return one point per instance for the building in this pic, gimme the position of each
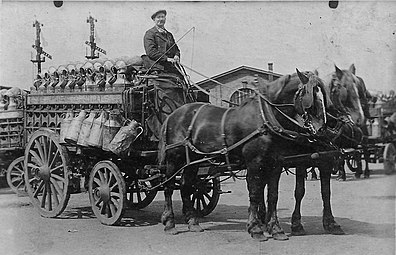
(232, 87)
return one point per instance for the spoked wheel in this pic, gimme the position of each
(206, 195)
(46, 173)
(354, 164)
(138, 195)
(389, 158)
(107, 192)
(15, 176)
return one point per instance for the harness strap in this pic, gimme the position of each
(223, 119)
(277, 108)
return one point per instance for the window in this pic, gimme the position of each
(238, 96)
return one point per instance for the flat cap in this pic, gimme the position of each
(158, 12)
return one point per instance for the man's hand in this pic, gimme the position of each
(177, 58)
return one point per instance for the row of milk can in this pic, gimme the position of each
(108, 131)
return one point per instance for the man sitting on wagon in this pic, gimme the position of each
(160, 46)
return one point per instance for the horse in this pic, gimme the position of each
(254, 135)
(351, 97)
(344, 133)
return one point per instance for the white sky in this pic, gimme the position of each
(305, 35)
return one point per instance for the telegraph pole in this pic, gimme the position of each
(91, 41)
(38, 48)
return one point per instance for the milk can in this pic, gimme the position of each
(75, 126)
(65, 123)
(2, 100)
(110, 129)
(125, 137)
(86, 129)
(96, 135)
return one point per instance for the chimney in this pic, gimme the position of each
(270, 69)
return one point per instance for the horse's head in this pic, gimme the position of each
(304, 90)
(310, 100)
(347, 92)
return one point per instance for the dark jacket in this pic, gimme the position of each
(156, 44)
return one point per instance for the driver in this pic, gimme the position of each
(160, 46)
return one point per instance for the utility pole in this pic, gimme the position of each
(91, 41)
(38, 48)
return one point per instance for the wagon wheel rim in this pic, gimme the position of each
(46, 173)
(389, 158)
(138, 195)
(107, 192)
(16, 176)
(354, 164)
(206, 196)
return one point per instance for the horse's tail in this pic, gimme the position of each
(162, 143)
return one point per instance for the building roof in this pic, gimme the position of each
(209, 84)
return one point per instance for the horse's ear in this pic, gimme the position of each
(316, 72)
(339, 72)
(352, 69)
(303, 78)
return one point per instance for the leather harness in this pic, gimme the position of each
(270, 124)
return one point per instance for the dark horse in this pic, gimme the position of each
(342, 113)
(350, 96)
(255, 135)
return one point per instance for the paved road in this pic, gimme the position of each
(365, 209)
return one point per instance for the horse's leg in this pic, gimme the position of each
(366, 159)
(168, 217)
(359, 169)
(329, 223)
(186, 191)
(255, 185)
(341, 172)
(262, 211)
(299, 192)
(314, 176)
(274, 227)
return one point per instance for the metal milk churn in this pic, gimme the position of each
(63, 78)
(2, 100)
(36, 84)
(125, 137)
(86, 129)
(45, 82)
(375, 129)
(65, 124)
(96, 135)
(75, 126)
(110, 129)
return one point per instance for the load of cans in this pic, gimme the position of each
(94, 75)
(106, 130)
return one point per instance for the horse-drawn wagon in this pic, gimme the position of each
(11, 137)
(63, 132)
(379, 145)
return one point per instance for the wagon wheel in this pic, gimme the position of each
(206, 195)
(389, 158)
(107, 192)
(138, 196)
(46, 173)
(354, 163)
(15, 176)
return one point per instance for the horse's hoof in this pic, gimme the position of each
(280, 236)
(334, 230)
(259, 237)
(267, 234)
(298, 230)
(195, 228)
(171, 231)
